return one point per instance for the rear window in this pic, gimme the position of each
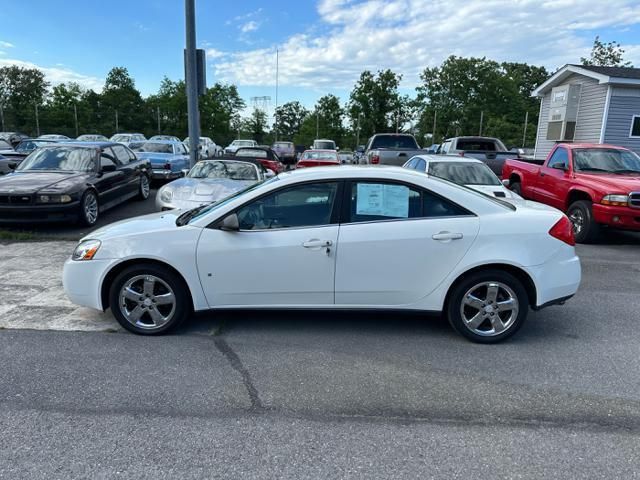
(464, 173)
(325, 156)
(252, 153)
(481, 145)
(394, 141)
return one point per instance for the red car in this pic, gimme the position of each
(318, 158)
(265, 155)
(596, 185)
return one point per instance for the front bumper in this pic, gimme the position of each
(68, 212)
(158, 174)
(82, 280)
(626, 218)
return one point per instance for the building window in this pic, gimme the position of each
(635, 126)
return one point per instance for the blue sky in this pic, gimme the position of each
(323, 44)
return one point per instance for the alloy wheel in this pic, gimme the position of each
(90, 208)
(489, 308)
(144, 187)
(147, 302)
(577, 220)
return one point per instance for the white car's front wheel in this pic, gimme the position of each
(148, 299)
(488, 306)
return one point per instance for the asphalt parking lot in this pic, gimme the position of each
(317, 395)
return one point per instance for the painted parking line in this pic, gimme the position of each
(31, 294)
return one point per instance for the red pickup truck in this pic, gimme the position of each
(595, 185)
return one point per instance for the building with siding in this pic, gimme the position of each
(589, 105)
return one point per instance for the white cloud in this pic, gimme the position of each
(249, 26)
(58, 74)
(214, 53)
(6, 44)
(409, 35)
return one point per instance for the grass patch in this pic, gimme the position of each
(17, 236)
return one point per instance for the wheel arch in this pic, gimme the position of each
(526, 280)
(576, 195)
(120, 267)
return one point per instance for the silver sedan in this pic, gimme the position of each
(210, 181)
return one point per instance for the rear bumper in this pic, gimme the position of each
(39, 213)
(556, 281)
(617, 217)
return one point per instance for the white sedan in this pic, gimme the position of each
(469, 172)
(337, 237)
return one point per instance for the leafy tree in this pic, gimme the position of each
(256, 125)
(120, 95)
(20, 90)
(374, 103)
(606, 55)
(289, 119)
(59, 115)
(220, 106)
(326, 121)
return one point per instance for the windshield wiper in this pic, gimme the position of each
(593, 169)
(626, 170)
(186, 217)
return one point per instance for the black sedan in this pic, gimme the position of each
(72, 182)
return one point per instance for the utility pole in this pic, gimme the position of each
(435, 118)
(37, 122)
(117, 121)
(75, 117)
(158, 114)
(192, 88)
(481, 120)
(2, 118)
(524, 133)
(358, 132)
(276, 110)
(317, 124)
(397, 120)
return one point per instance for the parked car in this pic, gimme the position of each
(236, 144)
(210, 181)
(53, 136)
(318, 158)
(597, 185)
(469, 172)
(346, 157)
(12, 138)
(487, 149)
(323, 144)
(359, 153)
(127, 138)
(208, 148)
(170, 138)
(390, 149)
(92, 137)
(24, 148)
(406, 241)
(433, 148)
(168, 158)
(72, 182)
(265, 155)
(286, 152)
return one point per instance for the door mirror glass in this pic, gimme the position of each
(185, 172)
(12, 165)
(559, 166)
(108, 168)
(269, 174)
(230, 223)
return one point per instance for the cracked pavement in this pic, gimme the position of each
(329, 394)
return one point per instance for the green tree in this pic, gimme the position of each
(289, 119)
(120, 95)
(256, 125)
(220, 106)
(325, 121)
(20, 90)
(606, 55)
(374, 103)
(59, 114)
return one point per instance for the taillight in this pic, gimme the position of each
(375, 159)
(563, 231)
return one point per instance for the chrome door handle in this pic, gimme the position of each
(317, 243)
(447, 236)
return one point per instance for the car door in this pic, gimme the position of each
(397, 243)
(282, 255)
(553, 179)
(111, 180)
(131, 180)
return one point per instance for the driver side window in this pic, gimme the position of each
(107, 158)
(308, 205)
(559, 157)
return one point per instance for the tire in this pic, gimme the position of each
(148, 299)
(89, 209)
(471, 306)
(516, 187)
(144, 187)
(585, 228)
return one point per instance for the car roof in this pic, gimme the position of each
(86, 144)
(323, 150)
(591, 145)
(165, 142)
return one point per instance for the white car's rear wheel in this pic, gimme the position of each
(148, 299)
(488, 306)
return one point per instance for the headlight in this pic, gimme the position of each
(86, 250)
(166, 195)
(54, 198)
(615, 200)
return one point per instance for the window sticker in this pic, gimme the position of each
(383, 200)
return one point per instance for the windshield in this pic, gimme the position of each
(464, 173)
(243, 143)
(324, 145)
(394, 141)
(198, 212)
(67, 159)
(156, 147)
(230, 170)
(328, 156)
(120, 138)
(251, 152)
(605, 160)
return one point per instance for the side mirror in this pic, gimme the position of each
(230, 223)
(108, 168)
(337, 149)
(506, 182)
(12, 165)
(269, 174)
(185, 172)
(560, 166)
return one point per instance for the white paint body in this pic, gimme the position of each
(391, 264)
